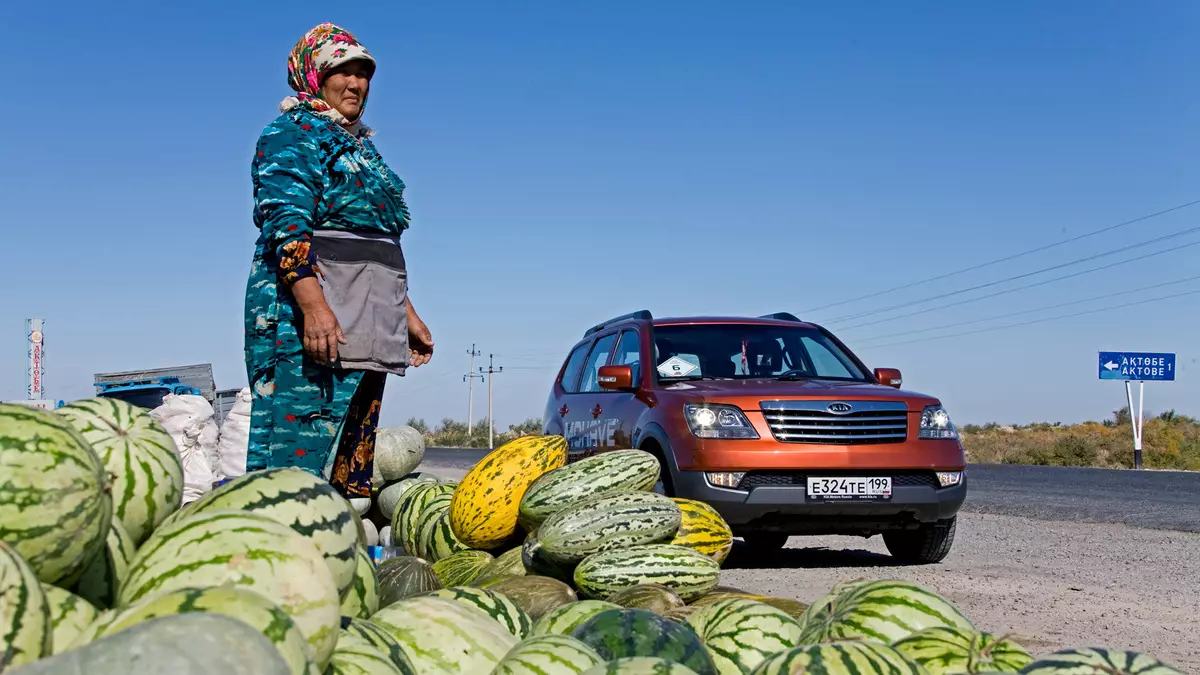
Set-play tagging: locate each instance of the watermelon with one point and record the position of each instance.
(535, 561)
(247, 550)
(507, 564)
(55, 506)
(444, 637)
(25, 612)
(535, 594)
(640, 665)
(740, 633)
(461, 568)
(102, 577)
(943, 650)
(89, 632)
(654, 597)
(398, 452)
(139, 454)
(885, 610)
(363, 599)
(703, 529)
(404, 577)
(717, 595)
(597, 475)
(840, 658)
(390, 496)
(497, 606)
(548, 655)
(357, 656)
(70, 615)
(1097, 661)
(483, 513)
(296, 498)
(616, 520)
(688, 573)
(563, 619)
(381, 638)
(406, 519)
(681, 614)
(793, 608)
(620, 633)
(435, 540)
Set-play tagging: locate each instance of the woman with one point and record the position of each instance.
(330, 212)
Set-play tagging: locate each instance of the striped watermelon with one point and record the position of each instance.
(740, 633)
(497, 606)
(389, 498)
(589, 477)
(462, 567)
(681, 614)
(654, 597)
(304, 502)
(885, 610)
(508, 563)
(70, 615)
(357, 656)
(944, 650)
(407, 519)
(640, 665)
(25, 630)
(548, 655)
(247, 550)
(435, 539)
(101, 579)
(616, 520)
(621, 633)
(381, 638)
(687, 572)
(483, 514)
(444, 637)
(236, 602)
(793, 608)
(363, 599)
(1096, 661)
(840, 658)
(534, 594)
(140, 456)
(89, 632)
(55, 506)
(703, 529)
(535, 561)
(563, 619)
(403, 577)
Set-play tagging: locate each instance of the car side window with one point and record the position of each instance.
(598, 357)
(629, 353)
(570, 378)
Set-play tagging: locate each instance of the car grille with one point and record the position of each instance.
(788, 478)
(867, 422)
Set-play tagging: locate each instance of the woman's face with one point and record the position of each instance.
(345, 88)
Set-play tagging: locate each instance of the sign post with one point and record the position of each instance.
(1140, 367)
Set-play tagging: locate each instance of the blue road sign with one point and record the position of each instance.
(1138, 366)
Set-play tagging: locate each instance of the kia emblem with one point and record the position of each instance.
(839, 408)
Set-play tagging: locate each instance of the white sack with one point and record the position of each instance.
(235, 438)
(189, 421)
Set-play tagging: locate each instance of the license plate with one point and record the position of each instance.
(849, 488)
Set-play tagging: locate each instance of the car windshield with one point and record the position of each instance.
(142, 398)
(750, 351)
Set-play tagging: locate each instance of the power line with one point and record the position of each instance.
(1038, 249)
(1031, 311)
(989, 284)
(1020, 288)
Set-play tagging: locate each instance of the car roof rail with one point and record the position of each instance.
(641, 315)
(781, 316)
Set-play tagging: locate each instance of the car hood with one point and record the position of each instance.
(746, 393)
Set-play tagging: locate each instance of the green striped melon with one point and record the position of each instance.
(101, 579)
(379, 636)
(247, 550)
(70, 615)
(363, 599)
(140, 456)
(616, 520)
(235, 602)
(621, 633)
(563, 619)
(404, 577)
(640, 665)
(55, 506)
(1096, 661)
(497, 606)
(444, 637)
(356, 656)
(681, 614)
(506, 564)
(685, 571)
(535, 594)
(885, 610)
(25, 630)
(89, 632)
(304, 502)
(943, 651)
(654, 597)
(860, 657)
(589, 477)
(536, 562)
(548, 655)
(793, 608)
(461, 568)
(740, 633)
(703, 529)
(435, 540)
(389, 497)
(407, 519)
(717, 595)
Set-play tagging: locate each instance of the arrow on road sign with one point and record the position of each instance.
(1110, 365)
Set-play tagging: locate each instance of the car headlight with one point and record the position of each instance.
(718, 421)
(936, 424)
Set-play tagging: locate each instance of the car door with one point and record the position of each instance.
(623, 409)
(556, 410)
(582, 403)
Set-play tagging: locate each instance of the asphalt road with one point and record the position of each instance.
(1162, 500)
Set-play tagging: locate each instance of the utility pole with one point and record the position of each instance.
(469, 378)
(491, 370)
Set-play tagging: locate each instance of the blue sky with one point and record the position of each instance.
(569, 164)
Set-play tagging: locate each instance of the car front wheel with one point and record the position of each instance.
(765, 542)
(929, 543)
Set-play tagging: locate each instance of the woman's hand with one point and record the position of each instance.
(420, 341)
(322, 335)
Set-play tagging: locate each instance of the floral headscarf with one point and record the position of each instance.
(322, 49)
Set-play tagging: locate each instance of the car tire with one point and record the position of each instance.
(765, 542)
(929, 543)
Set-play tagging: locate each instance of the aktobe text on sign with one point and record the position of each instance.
(1137, 366)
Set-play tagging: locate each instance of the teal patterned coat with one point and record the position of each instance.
(309, 171)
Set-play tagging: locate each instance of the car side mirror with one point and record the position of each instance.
(889, 377)
(616, 378)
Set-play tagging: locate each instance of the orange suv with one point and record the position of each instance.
(771, 420)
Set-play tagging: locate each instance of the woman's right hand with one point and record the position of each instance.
(322, 335)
